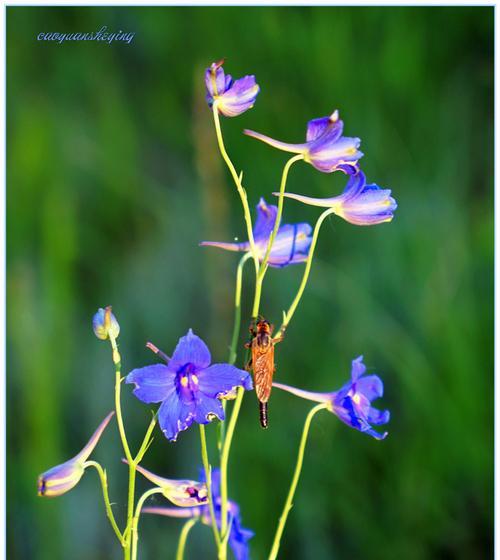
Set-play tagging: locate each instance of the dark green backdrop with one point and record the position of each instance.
(113, 177)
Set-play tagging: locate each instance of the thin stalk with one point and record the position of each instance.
(239, 186)
(208, 478)
(107, 503)
(237, 308)
(287, 317)
(263, 265)
(126, 448)
(190, 523)
(145, 442)
(135, 521)
(295, 480)
(224, 461)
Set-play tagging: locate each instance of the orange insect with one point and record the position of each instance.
(262, 363)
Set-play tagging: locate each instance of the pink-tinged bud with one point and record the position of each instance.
(60, 479)
(105, 324)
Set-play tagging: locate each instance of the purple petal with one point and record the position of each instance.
(378, 417)
(291, 245)
(357, 368)
(174, 415)
(370, 386)
(152, 383)
(239, 97)
(215, 80)
(266, 218)
(220, 379)
(207, 407)
(354, 187)
(371, 206)
(328, 153)
(190, 350)
(318, 127)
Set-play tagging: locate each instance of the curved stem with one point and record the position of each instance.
(208, 478)
(295, 480)
(237, 181)
(183, 537)
(107, 503)
(225, 458)
(289, 314)
(145, 442)
(263, 265)
(135, 521)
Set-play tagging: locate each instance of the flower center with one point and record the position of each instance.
(187, 383)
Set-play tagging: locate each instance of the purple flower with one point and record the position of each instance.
(291, 244)
(238, 536)
(325, 147)
(352, 403)
(188, 387)
(62, 478)
(359, 204)
(230, 97)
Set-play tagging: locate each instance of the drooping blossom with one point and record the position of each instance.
(231, 97)
(325, 148)
(238, 536)
(291, 244)
(182, 493)
(62, 478)
(352, 403)
(359, 204)
(188, 387)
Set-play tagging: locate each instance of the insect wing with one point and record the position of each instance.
(263, 370)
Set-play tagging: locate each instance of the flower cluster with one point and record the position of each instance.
(190, 389)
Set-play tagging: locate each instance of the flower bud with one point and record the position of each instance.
(60, 479)
(105, 324)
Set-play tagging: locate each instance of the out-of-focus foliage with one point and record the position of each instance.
(114, 177)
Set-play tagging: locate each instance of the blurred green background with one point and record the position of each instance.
(114, 177)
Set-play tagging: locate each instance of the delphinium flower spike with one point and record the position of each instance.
(359, 204)
(62, 478)
(188, 387)
(325, 148)
(230, 97)
(291, 244)
(238, 535)
(352, 403)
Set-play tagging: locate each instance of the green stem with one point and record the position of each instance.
(107, 503)
(208, 478)
(183, 537)
(224, 461)
(237, 308)
(289, 314)
(241, 190)
(126, 448)
(295, 480)
(135, 521)
(263, 265)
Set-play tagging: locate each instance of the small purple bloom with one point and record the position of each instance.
(325, 147)
(352, 403)
(359, 204)
(230, 97)
(291, 244)
(62, 478)
(238, 536)
(188, 387)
